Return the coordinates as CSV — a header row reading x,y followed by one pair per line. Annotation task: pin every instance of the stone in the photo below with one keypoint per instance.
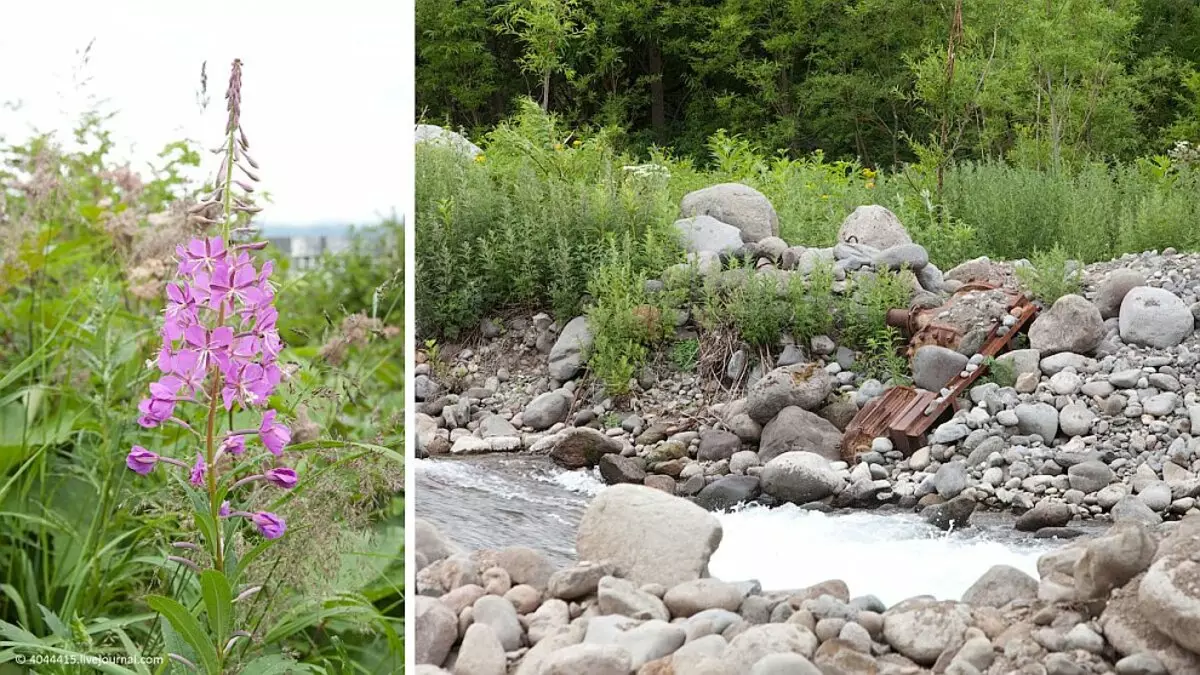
x,y
795,429
728,491
435,630
788,663
1109,561
1000,585
693,597
619,596
649,536
1130,632
579,581
804,385
650,641
950,479
480,653
749,647
1169,596
587,658
1072,324
738,205
717,444
570,349
499,615
874,226
705,233
1161,405
951,515
1022,361
902,256
494,426
430,545
933,366
1038,418
1089,476
922,630
550,618
840,657
581,447
546,410
617,469
800,478
1154,317
1076,419
1132,508
1111,292
432,134
1046,513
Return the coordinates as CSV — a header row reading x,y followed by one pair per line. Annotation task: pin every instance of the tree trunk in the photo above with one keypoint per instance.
x,y
546,91
658,104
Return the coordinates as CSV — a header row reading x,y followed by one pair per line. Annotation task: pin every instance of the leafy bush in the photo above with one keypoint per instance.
x,y
1051,275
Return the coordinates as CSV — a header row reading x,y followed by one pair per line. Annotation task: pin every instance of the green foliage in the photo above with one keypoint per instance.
x,y
685,355
625,322
1044,85
526,225
1001,372
1051,275
82,546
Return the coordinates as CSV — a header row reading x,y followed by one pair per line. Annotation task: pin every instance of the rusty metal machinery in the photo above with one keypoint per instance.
x,y
905,414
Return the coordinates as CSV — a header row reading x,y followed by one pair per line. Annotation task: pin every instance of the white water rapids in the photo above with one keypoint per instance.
x,y
520,501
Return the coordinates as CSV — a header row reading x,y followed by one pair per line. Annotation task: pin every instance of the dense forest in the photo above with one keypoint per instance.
x,y
1039,84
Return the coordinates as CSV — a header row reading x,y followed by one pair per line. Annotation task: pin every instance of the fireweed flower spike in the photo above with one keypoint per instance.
x,y
217,363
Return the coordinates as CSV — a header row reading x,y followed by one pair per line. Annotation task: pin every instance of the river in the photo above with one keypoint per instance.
x,y
511,500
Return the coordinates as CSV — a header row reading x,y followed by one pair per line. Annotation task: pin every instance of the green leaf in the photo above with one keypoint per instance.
x,y
274,664
250,557
218,602
188,628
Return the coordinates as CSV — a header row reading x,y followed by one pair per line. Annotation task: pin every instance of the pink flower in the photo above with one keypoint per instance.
x,y
230,283
161,404
200,254
283,477
248,384
234,445
198,471
274,436
224,510
269,525
180,312
141,460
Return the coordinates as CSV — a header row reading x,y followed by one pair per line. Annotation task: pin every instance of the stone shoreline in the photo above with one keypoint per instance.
x,y
640,602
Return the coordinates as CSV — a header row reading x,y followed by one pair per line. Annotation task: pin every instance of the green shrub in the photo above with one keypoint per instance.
x,y
685,355
1051,275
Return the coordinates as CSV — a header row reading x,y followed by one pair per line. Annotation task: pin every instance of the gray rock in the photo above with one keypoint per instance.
x,y
705,233
617,469
1076,419
436,630
716,445
652,640
480,653
1154,317
952,515
434,135
581,447
1089,476
1169,596
933,366
499,615
1046,513
579,581
494,426
1109,561
739,205
800,478
923,630
570,349
697,595
1000,585
1038,418
950,479
902,256
949,432
618,596
797,430
1022,361
587,658
1132,508
1072,324
1161,404
1142,663
874,226
756,642
430,545
803,385
650,536
546,410
930,278
728,491
788,663
1113,289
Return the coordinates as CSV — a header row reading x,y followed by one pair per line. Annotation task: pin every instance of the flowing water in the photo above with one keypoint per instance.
x,y
496,501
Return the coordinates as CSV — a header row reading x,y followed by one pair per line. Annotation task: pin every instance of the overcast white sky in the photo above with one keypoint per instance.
x,y
322,92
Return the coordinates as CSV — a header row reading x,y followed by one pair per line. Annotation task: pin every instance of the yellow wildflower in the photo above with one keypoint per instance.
x,y
577,142
824,196
869,173
480,158
870,184
558,146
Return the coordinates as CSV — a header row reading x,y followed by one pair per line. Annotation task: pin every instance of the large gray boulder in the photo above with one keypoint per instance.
x,y
800,478
1112,291
804,385
435,135
582,447
1169,594
1072,324
546,410
705,233
570,349
738,205
649,536
436,630
874,226
796,429
1154,317
999,586
922,630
